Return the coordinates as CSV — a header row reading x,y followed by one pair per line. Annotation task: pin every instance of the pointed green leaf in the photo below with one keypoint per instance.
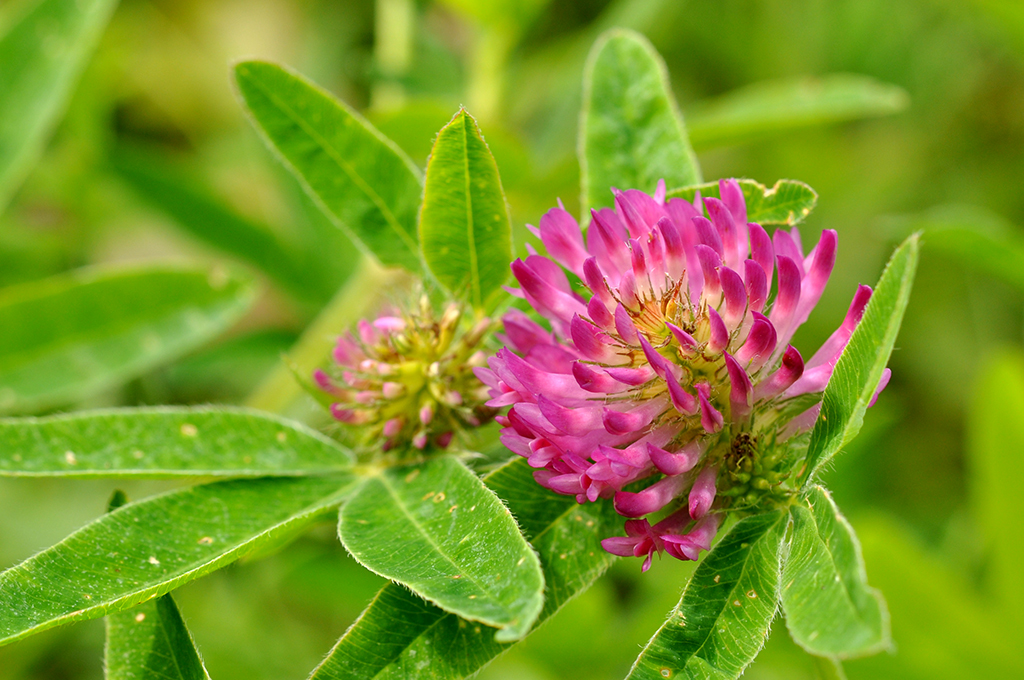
x,y
859,369
975,237
151,641
360,179
464,225
631,131
722,620
148,548
830,609
787,203
71,336
995,428
401,636
437,529
775,106
43,50
941,627
166,442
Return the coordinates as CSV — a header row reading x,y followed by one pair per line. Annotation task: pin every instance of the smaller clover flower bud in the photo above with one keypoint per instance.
x,y
409,380
672,388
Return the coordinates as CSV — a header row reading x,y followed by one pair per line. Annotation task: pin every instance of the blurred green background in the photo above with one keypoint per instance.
x,y
902,115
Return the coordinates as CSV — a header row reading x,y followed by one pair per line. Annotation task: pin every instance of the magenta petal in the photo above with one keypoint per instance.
x,y
719,339
620,545
710,419
595,380
702,495
762,252
676,463
606,239
599,314
735,294
624,326
659,363
572,421
819,268
732,197
741,390
675,251
563,238
651,499
631,376
756,284
886,374
708,235
710,265
788,373
837,341
688,345
682,401
787,246
592,343
629,422
595,281
759,345
784,308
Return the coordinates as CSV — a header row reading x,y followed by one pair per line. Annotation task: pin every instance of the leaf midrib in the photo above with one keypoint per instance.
x,y
725,605
445,614
842,582
165,586
419,527
356,179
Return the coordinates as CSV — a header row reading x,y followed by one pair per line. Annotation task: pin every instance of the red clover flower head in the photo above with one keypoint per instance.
x,y
674,372
409,379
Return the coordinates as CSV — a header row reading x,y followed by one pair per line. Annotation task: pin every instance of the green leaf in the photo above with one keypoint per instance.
x,y
166,442
722,620
151,641
787,203
859,369
974,237
402,636
437,529
941,627
995,427
361,179
631,131
464,225
42,53
769,107
830,609
148,548
74,335
204,216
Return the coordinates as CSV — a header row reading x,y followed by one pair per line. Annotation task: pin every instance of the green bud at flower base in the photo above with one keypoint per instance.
x,y
408,380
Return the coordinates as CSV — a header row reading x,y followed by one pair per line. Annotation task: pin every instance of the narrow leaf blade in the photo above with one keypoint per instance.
x,y
71,336
631,131
722,620
859,369
996,423
166,442
449,539
361,180
151,641
775,106
464,224
830,609
402,636
148,548
786,203
206,217
42,54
